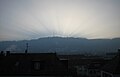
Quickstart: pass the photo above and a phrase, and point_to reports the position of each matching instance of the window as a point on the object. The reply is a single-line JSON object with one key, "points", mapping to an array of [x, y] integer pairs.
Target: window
{"points": [[37, 65], [17, 63]]}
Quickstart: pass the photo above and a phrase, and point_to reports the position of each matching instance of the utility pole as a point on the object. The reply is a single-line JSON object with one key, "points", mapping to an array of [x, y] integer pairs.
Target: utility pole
{"points": [[26, 51]]}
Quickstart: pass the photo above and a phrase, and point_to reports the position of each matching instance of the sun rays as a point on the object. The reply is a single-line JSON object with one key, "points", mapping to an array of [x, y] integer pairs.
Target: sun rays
{"points": [[43, 18]]}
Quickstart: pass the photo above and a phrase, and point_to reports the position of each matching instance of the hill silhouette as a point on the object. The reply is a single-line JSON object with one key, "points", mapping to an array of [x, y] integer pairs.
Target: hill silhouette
{"points": [[63, 45]]}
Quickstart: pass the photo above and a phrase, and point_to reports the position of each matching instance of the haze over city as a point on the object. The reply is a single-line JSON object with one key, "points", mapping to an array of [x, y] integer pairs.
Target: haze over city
{"points": [[60, 38], [31, 19]]}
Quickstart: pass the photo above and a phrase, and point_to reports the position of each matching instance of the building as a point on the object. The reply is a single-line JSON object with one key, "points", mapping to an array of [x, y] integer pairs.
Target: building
{"points": [[94, 68], [112, 68], [32, 64]]}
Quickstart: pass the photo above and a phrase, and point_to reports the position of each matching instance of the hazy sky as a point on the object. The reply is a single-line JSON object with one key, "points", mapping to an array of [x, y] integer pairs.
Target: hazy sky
{"points": [[29, 19]]}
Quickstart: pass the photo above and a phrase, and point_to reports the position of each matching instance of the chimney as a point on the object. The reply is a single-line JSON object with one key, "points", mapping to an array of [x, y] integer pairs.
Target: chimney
{"points": [[26, 51], [2, 53], [119, 52], [118, 49], [7, 53]]}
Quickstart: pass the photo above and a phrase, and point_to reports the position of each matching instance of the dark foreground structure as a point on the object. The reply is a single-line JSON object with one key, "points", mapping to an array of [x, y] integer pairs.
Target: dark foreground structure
{"points": [[33, 64], [53, 65], [112, 68]]}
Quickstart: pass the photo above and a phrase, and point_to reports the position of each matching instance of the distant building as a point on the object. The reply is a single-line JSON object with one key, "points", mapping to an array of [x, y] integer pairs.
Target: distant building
{"points": [[94, 68], [33, 64], [112, 68], [85, 66]]}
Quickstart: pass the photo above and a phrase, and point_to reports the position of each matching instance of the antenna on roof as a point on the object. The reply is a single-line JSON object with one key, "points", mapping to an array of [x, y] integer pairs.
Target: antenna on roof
{"points": [[26, 51], [119, 52]]}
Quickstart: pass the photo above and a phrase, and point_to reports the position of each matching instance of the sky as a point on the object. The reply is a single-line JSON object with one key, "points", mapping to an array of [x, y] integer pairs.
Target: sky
{"points": [[32, 19]]}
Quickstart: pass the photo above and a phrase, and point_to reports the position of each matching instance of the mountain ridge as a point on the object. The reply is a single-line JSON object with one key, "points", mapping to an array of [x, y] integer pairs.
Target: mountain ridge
{"points": [[63, 45]]}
